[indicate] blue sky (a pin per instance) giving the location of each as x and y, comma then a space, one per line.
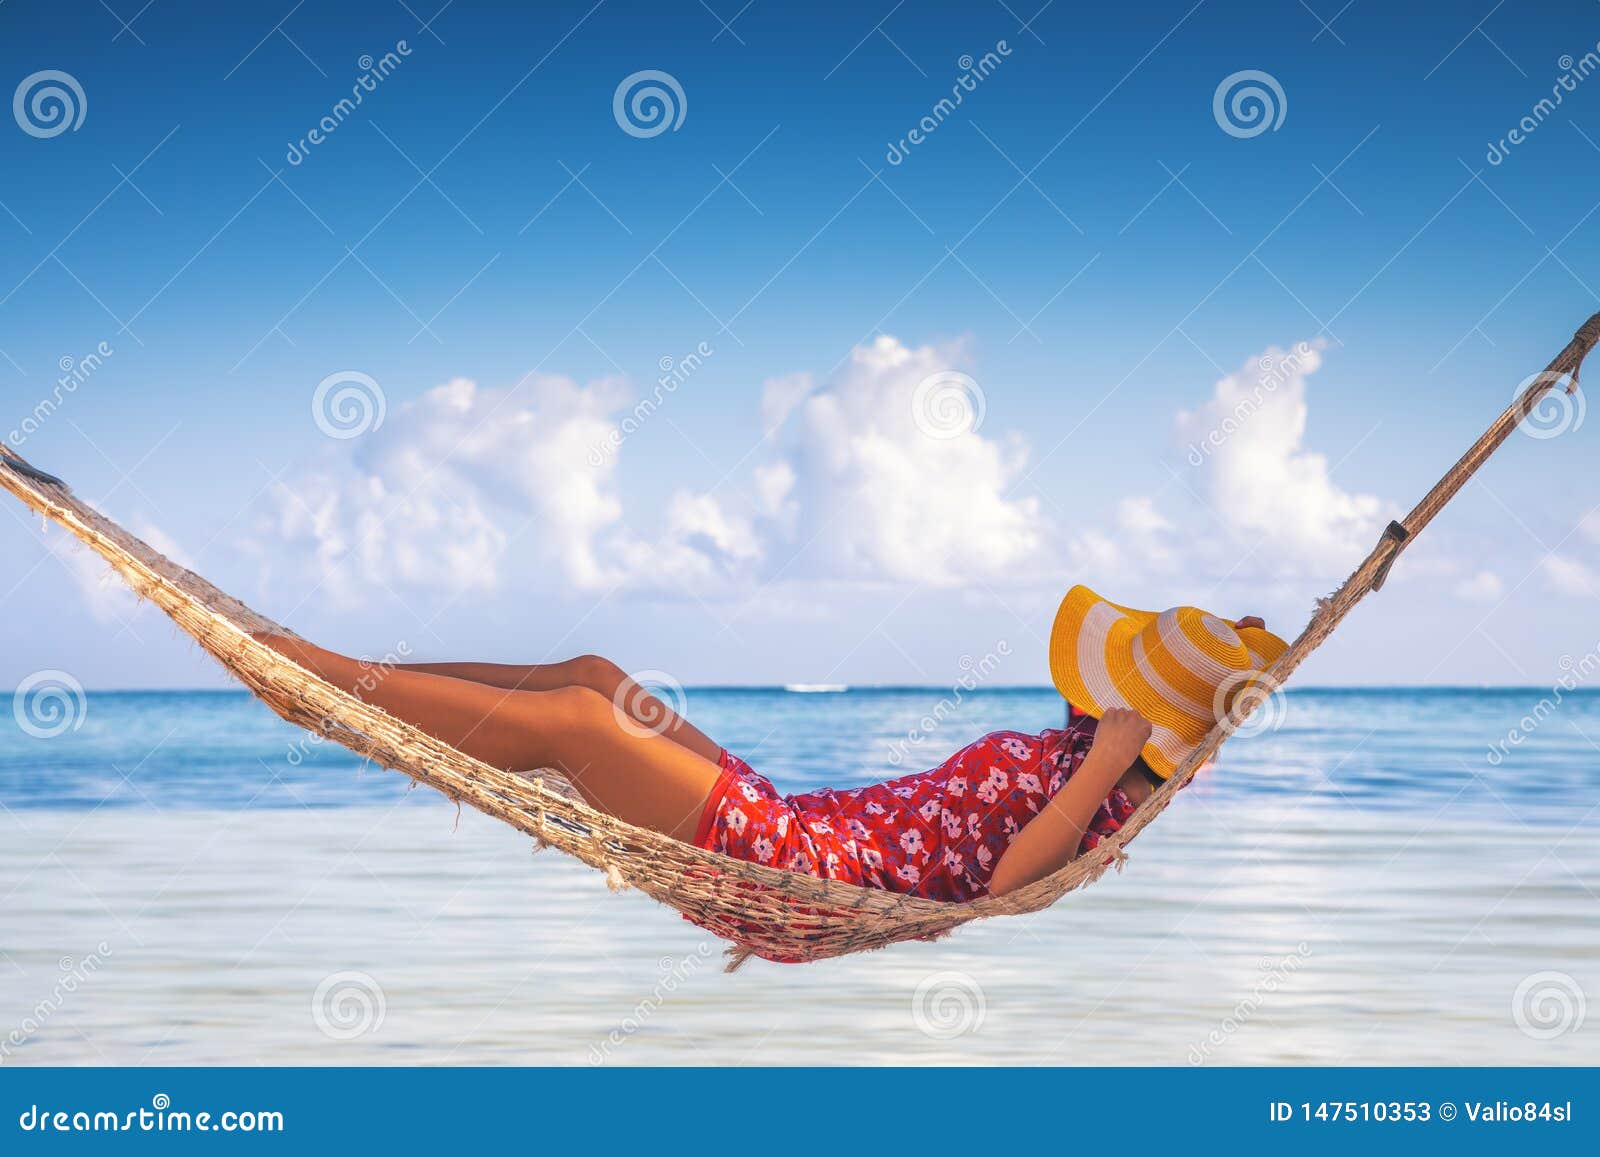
1081, 237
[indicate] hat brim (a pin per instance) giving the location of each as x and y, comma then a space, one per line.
1097, 663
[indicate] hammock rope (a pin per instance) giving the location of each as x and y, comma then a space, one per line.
760, 910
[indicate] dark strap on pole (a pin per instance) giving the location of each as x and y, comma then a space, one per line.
1398, 534
12, 460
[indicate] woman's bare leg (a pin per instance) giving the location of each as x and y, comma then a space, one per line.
642, 778
590, 671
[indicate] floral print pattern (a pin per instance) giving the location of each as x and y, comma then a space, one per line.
937, 834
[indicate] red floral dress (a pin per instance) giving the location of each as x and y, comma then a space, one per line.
937, 834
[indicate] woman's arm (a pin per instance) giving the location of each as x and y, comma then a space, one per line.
1050, 840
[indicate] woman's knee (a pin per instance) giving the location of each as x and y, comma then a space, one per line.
596, 673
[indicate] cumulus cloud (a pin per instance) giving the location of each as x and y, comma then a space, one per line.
1258, 476
871, 492
779, 397
1569, 576
1140, 538
774, 483
1254, 501
882, 472
1483, 587
464, 485
459, 482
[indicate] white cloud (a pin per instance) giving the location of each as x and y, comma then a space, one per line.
873, 496
465, 487
1258, 476
1253, 504
1140, 516
774, 483
779, 397
1569, 576
1142, 540
464, 482
1483, 587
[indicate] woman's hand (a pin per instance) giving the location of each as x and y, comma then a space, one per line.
1255, 621
1119, 737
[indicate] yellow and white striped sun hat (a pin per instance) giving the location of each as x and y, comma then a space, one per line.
1181, 669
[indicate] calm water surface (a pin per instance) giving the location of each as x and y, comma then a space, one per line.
185, 879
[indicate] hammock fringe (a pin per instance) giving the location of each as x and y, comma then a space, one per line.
762, 911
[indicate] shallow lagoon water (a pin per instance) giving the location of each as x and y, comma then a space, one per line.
188, 880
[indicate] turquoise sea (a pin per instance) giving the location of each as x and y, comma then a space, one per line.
1379, 876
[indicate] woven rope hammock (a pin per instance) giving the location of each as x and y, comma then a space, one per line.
761, 910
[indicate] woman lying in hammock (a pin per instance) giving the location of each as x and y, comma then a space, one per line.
999, 814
